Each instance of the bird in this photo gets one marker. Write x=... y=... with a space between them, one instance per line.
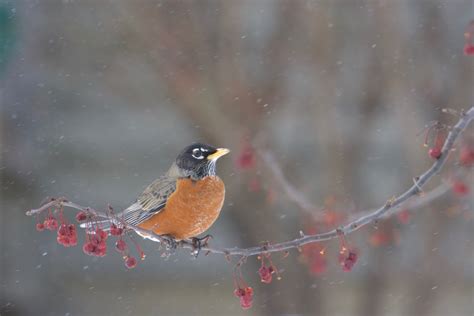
x=184 y=202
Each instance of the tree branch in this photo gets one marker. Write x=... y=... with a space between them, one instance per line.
x=292 y=193
x=392 y=206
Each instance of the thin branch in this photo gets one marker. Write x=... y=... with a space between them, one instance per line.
x=392 y=206
x=292 y=193
x=414 y=204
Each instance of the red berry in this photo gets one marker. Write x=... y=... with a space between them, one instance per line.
x=81 y=216
x=239 y=292
x=72 y=241
x=130 y=262
x=63 y=230
x=121 y=245
x=265 y=274
x=89 y=248
x=102 y=246
x=94 y=239
x=434 y=153
x=460 y=188
x=67 y=235
x=116 y=231
x=63 y=240
x=348 y=260
x=94 y=247
x=245 y=295
x=71 y=229
x=245 y=302
x=101 y=233
x=40 y=227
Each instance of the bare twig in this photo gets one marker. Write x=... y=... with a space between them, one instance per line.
x=292 y=193
x=390 y=207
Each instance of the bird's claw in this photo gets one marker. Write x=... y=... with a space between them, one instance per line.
x=198 y=243
x=171 y=243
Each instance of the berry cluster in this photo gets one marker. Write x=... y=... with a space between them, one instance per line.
x=245 y=295
x=122 y=247
x=116 y=231
x=348 y=259
x=67 y=235
x=242 y=290
x=266 y=271
x=50 y=223
x=96 y=235
x=96 y=244
x=347 y=255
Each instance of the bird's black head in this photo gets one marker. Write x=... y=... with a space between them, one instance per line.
x=199 y=160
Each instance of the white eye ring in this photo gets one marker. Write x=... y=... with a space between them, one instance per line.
x=197 y=153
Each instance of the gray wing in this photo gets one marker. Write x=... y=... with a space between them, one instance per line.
x=150 y=202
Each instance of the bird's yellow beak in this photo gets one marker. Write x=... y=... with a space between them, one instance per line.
x=219 y=153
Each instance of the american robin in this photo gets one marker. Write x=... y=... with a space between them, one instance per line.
x=186 y=201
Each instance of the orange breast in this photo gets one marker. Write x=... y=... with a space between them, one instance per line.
x=190 y=210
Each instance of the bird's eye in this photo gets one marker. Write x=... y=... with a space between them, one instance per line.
x=197 y=153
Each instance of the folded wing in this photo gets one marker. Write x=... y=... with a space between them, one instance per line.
x=150 y=202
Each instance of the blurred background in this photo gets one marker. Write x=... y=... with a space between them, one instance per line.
x=98 y=97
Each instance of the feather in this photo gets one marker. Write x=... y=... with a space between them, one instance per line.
x=150 y=202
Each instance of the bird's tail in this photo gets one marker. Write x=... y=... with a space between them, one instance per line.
x=103 y=224
x=106 y=223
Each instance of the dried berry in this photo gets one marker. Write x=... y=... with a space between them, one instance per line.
x=245 y=295
x=67 y=235
x=348 y=259
x=116 y=231
x=266 y=273
x=81 y=216
x=96 y=244
x=40 y=227
x=101 y=233
x=89 y=248
x=51 y=223
x=130 y=262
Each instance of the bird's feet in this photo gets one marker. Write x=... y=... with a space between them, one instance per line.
x=170 y=243
x=198 y=243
